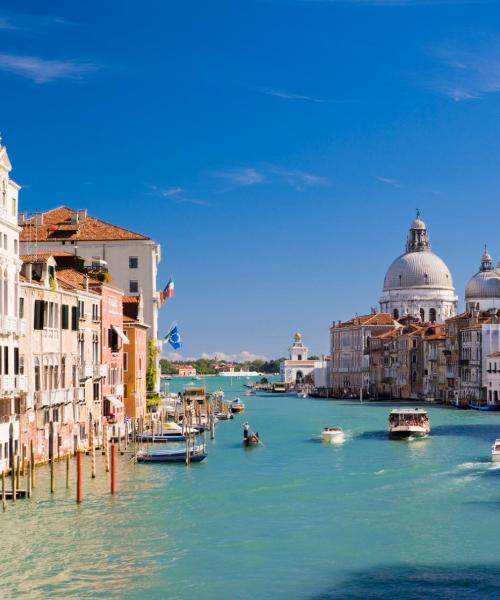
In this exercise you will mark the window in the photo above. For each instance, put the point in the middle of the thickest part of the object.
(21, 308)
(16, 361)
(5, 241)
(95, 312)
(95, 349)
(16, 246)
(125, 361)
(81, 309)
(6, 360)
(39, 314)
(133, 262)
(96, 392)
(75, 317)
(432, 315)
(125, 390)
(113, 340)
(65, 316)
(37, 375)
(133, 286)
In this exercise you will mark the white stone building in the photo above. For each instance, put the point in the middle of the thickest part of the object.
(12, 381)
(418, 283)
(492, 378)
(298, 366)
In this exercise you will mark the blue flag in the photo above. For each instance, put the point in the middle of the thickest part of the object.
(173, 338)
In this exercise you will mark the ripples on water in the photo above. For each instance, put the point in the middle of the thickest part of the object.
(294, 519)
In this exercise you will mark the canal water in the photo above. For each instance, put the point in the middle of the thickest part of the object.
(294, 518)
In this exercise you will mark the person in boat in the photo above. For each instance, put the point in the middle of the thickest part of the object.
(246, 430)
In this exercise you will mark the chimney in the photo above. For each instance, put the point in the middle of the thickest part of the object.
(21, 218)
(82, 214)
(86, 283)
(74, 217)
(38, 219)
(29, 268)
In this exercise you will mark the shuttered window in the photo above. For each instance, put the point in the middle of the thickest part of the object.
(39, 314)
(75, 317)
(65, 316)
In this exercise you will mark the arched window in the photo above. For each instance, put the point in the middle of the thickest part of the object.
(63, 372)
(422, 314)
(395, 313)
(432, 315)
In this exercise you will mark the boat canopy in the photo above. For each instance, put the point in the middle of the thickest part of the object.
(408, 411)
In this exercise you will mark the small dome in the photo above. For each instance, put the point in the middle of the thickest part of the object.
(298, 337)
(418, 269)
(485, 284)
(418, 224)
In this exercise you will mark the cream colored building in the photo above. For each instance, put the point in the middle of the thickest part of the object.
(12, 326)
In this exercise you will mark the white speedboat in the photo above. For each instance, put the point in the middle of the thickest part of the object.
(407, 423)
(302, 394)
(495, 451)
(332, 435)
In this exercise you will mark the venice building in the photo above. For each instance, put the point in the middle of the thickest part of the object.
(418, 283)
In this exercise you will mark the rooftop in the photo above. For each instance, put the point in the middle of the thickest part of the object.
(60, 224)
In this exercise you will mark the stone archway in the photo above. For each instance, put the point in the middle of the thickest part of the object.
(299, 376)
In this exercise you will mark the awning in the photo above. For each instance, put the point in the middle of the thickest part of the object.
(120, 333)
(114, 401)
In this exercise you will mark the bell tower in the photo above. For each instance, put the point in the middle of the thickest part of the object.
(298, 351)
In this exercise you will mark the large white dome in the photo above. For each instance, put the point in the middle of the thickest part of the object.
(485, 284)
(418, 269)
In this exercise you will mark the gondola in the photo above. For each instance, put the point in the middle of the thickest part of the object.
(249, 437)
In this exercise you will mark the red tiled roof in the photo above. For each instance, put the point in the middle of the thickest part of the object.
(371, 319)
(57, 227)
(72, 278)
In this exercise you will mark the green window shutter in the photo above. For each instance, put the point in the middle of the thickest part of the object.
(74, 318)
(65, 316)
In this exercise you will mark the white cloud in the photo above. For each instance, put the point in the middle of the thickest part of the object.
(176, 357)
(176, 194)
(41, 70)
(242, 356)
(241, 177)
(289, 95)
(394, 182)
(466, 74)
(299, 179)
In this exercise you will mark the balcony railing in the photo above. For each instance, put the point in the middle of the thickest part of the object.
(51, 397)
(21, 327)
(86, 371)
(9, 324)
(79, 394)
(100, 370)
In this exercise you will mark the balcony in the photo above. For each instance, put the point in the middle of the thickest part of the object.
(86, 371)
(51, 397)
(79, 394)
(9, 324)
(100, 370)
(119, 389)
(21, 327)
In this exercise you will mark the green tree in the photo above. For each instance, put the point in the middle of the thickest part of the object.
(151, 371)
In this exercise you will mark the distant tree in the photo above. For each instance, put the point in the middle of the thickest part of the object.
(166, 367)
(314, 357)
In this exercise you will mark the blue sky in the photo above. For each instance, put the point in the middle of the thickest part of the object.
(277, 149)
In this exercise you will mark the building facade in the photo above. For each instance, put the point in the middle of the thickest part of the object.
(134, 357)
(12, 329)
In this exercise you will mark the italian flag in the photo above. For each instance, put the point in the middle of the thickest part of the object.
(168, 292)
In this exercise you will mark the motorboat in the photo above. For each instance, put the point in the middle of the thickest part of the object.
(160, 438)
(407, 423)
(249, 437)
(302, 394)
(222, 416)
(237, 406)
(196, 454)
(332, 435)
(495, 451)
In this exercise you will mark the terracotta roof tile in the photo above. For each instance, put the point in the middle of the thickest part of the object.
(57, 227)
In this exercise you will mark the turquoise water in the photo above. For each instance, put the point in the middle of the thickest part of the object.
(294, 519)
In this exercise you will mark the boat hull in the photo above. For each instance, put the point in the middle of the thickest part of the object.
(495, 457)
(485, 407)
(160, 439)
(332, 437)
(237, 409)
(403, 433)
(171, 458)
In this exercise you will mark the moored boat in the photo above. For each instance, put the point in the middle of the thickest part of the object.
(196, 454)
(407, 423)
(485, 407)
(237, 406)
(302, 394)
(332, 434)
(495, 451)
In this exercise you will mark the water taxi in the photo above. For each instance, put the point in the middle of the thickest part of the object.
(495, 451)
(407, 423)
(196, 454)
(332, 435)
(237, 406)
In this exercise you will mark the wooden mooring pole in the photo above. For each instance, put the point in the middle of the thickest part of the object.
(113, 467)
(79, 490)
(32, 465)
(52, 476)
(92, 453)
(4, 501)
(67, 470)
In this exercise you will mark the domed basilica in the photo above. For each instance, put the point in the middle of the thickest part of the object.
(418, 283)
(482, 292)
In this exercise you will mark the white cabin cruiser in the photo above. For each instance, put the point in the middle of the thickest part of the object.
(495, 451)
(407, 423)
(332, 435)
